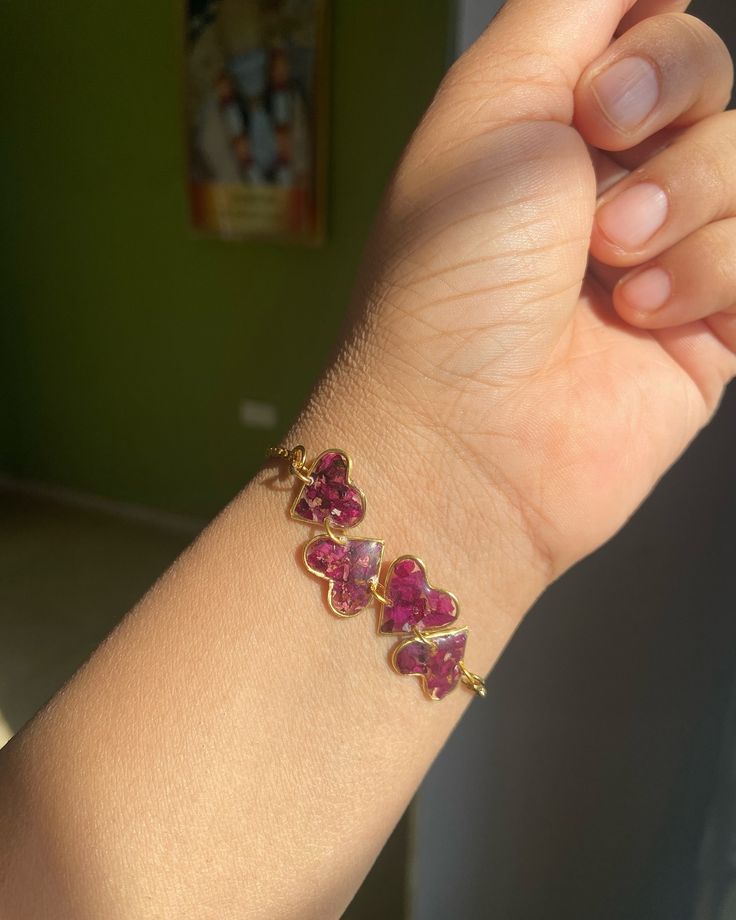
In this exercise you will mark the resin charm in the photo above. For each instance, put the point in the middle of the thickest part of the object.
(432, 646)
(435, 658)
(348, 567)
(412, 602)
(330, 494)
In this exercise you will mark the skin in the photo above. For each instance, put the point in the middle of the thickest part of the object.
(233, 750)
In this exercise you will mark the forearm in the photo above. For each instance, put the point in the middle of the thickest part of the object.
(234, 748)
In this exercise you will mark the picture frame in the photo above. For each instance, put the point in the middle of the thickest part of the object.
(256, 118)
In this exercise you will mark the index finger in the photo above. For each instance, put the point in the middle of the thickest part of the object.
(669, 70)
(646, 8)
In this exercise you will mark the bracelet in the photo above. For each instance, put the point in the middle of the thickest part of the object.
(409, 606)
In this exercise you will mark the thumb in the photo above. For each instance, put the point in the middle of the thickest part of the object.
(538, 50)
(486, 224)
(522, 70)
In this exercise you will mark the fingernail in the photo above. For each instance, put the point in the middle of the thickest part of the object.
(647, 291)
(627, 91)
(633, 216)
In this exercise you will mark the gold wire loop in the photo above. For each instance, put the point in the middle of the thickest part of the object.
(297, 466)
(300, 475)
(425, 640)
(340, 538)
(476, 683)
(377, 592)
(296, 457)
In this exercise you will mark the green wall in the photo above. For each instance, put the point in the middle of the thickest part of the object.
(127, 343)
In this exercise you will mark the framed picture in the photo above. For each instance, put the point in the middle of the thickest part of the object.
(256, 118)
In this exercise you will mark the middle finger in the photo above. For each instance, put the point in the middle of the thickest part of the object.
(689, 184)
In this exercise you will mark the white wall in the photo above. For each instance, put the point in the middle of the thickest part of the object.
(471, 17)
(579, 788)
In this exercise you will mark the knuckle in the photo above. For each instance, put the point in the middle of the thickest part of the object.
(720, 157)
(708, 45)
(708, 152)
(706, 260)
(718, 250)
(726, 125)
(680, 39)
(693, 29)
(519, 80)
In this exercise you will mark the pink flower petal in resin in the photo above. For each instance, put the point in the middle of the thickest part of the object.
(330, 494)
(413, 602)
(348, 567)
(438, 667)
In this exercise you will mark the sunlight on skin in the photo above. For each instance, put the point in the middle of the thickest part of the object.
(505, 414)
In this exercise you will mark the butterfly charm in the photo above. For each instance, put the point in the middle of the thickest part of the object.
(436, 658)
(330, 495)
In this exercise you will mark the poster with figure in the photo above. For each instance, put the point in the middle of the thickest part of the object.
(256, 118)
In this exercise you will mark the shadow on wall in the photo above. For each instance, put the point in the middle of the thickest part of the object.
(586, 777)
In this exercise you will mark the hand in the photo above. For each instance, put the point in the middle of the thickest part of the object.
(566, 384)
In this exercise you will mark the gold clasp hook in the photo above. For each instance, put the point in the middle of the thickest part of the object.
(297, 466)
(476, 683)
(296, 458)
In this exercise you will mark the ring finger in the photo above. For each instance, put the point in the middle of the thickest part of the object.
(694, 279)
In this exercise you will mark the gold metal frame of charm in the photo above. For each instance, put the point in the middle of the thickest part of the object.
(384, 601)
(331, 582)
(298, 466)
(435, 634)
(306, 478)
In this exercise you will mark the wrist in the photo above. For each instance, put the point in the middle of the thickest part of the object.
(426, 497)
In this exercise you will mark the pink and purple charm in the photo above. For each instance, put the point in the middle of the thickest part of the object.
(412, 601)
(349, 569)
(330, 494)
(438, 664)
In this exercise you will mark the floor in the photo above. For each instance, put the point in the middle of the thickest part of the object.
(67, 575)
